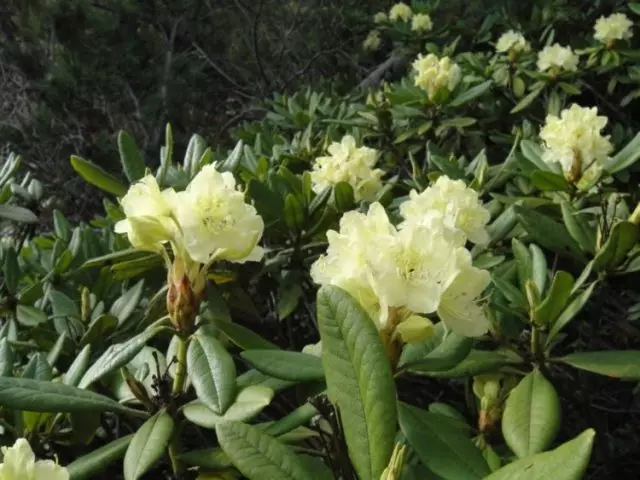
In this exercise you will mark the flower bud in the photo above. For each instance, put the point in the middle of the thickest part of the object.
(184, 297)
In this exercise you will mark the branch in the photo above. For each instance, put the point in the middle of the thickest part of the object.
(256, 53)
(375, 77)
(220, 71)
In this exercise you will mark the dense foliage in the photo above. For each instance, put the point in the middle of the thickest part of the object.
(426, 271)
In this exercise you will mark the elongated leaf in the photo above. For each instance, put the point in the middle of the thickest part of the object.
(148, 445)
(293, 420)
(212, 458)
(567, 462)
(46, 396)
(96, 176)
(359, 380)
(78, 367)
(539, 268)
(446, 450)
(477, 362)
(548, 232)
(622, 238)
(114, 357)
(442, 351)
(578, 228)
(531, 417)
(16, 213)
(213, 372)
(89, 465)
(625, 157)
(6, 358)
(100, 329)
(130, 158)
(549, 181)
(556, 299)
(294, 366)
(123, 307)
(471, 94)
(30, 316)
(243, 337)
(623, 364)
(259, 456)
(11, 270)
(573, 308)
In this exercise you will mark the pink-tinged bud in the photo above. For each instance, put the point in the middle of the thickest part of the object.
(183, 298)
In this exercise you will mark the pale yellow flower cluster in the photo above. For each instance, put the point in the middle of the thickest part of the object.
(421, 22)
(20, 463)
(512, 42)
(612, 28)
(435, 74)
(420, 267)
(557, 58)
(348, 163)
(574, 140)
(400, 11)
(380, 17)
(372, 42)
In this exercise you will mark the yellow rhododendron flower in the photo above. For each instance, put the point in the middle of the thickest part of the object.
(380, 17)
(457, 204)
(372, 42)
(215, 220)
(415, 329)
(400, 11)
(512, 41)
(348, 163)
(421, 22)
(149, 213)
(574, 140)
(20, 464)
(556, 58)
(435, 74)
(612, 28)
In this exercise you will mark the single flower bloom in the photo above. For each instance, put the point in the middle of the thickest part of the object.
(372, 42)
(421, 22)
(574, 140)
(216, 222)
(149, 221)
(458, 205)
(435, 74)
(400, 11)
(348, 163)
(380, 17)
(557, 57)
(512, 41)
(612, 28)
(20, 464)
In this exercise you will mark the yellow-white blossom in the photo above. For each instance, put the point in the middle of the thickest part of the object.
(400, 11)
(215, 220)
(380, 17)
(614, 27)
(20, 463)
(512, 41)
(348, 163)
(372, 42)
(434, 74)
(574, 140)
(457, 204)
(556, 57)
(421, 22)
(149, 215)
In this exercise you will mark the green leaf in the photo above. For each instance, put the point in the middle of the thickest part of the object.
(148, 445)
(258, 455)
(300, 416)
(294, 366)
(574, 307)
(130, 158)
(502, 225)
(30, 316)
(471, 94)
(533, 152)
(539, 268)
(16, 213)
(243, 337)
(578, 228)
(89, 465)
(531, 417)
(11, 270)
(96, 176)
(548, 232)
(210, 458)
(556, 299)
(38, 368)
(115, 357)
(359, 380)
(268, 203)
(124, 306)
(115, 257)
(78, 367)
(477, 362)
(212, 371)
(524, 262)
(6, 358)
(567, 462)
(549, 181)
(444, 449)
(166, 156)
(100, 329)
(47, 396)
(528, 100)
(622, 238)
(634, 7)
(233, 160)
(343, 196)
(622, 364)
(443, 351)
(625, 157)
(196, 148)
(294, 214)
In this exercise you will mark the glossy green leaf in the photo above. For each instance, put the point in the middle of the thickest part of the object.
(578, 228)
(11, 270)
(96, 176)
(124, 306)
(258, 455)
(212, 371)
(549, 181)
(548, 232)
(359, 380)
(95, 462)
(100, 329)
(243, 337)
(300, 416)
(293, 366)
(343, 196)
(6, 358)
(556, 299)
(527, 100)
(477, 362)
(573, 308)
(625, 157)
(442, 351)
(130, 158)
(622, 238)
(567, 462)
(524, 262)
(531, 417)
(471, 94)
(30, 316)
(622, 364)
(539, 268)
(148, 445)
(78, 367)
(15, 213)
(443, 448)
(210, 458)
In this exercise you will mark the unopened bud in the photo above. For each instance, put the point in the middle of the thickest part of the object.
(394, 469)
(183, 298)
(635, 216)
(85, 305)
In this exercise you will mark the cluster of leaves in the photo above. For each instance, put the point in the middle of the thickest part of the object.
(87, 354)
